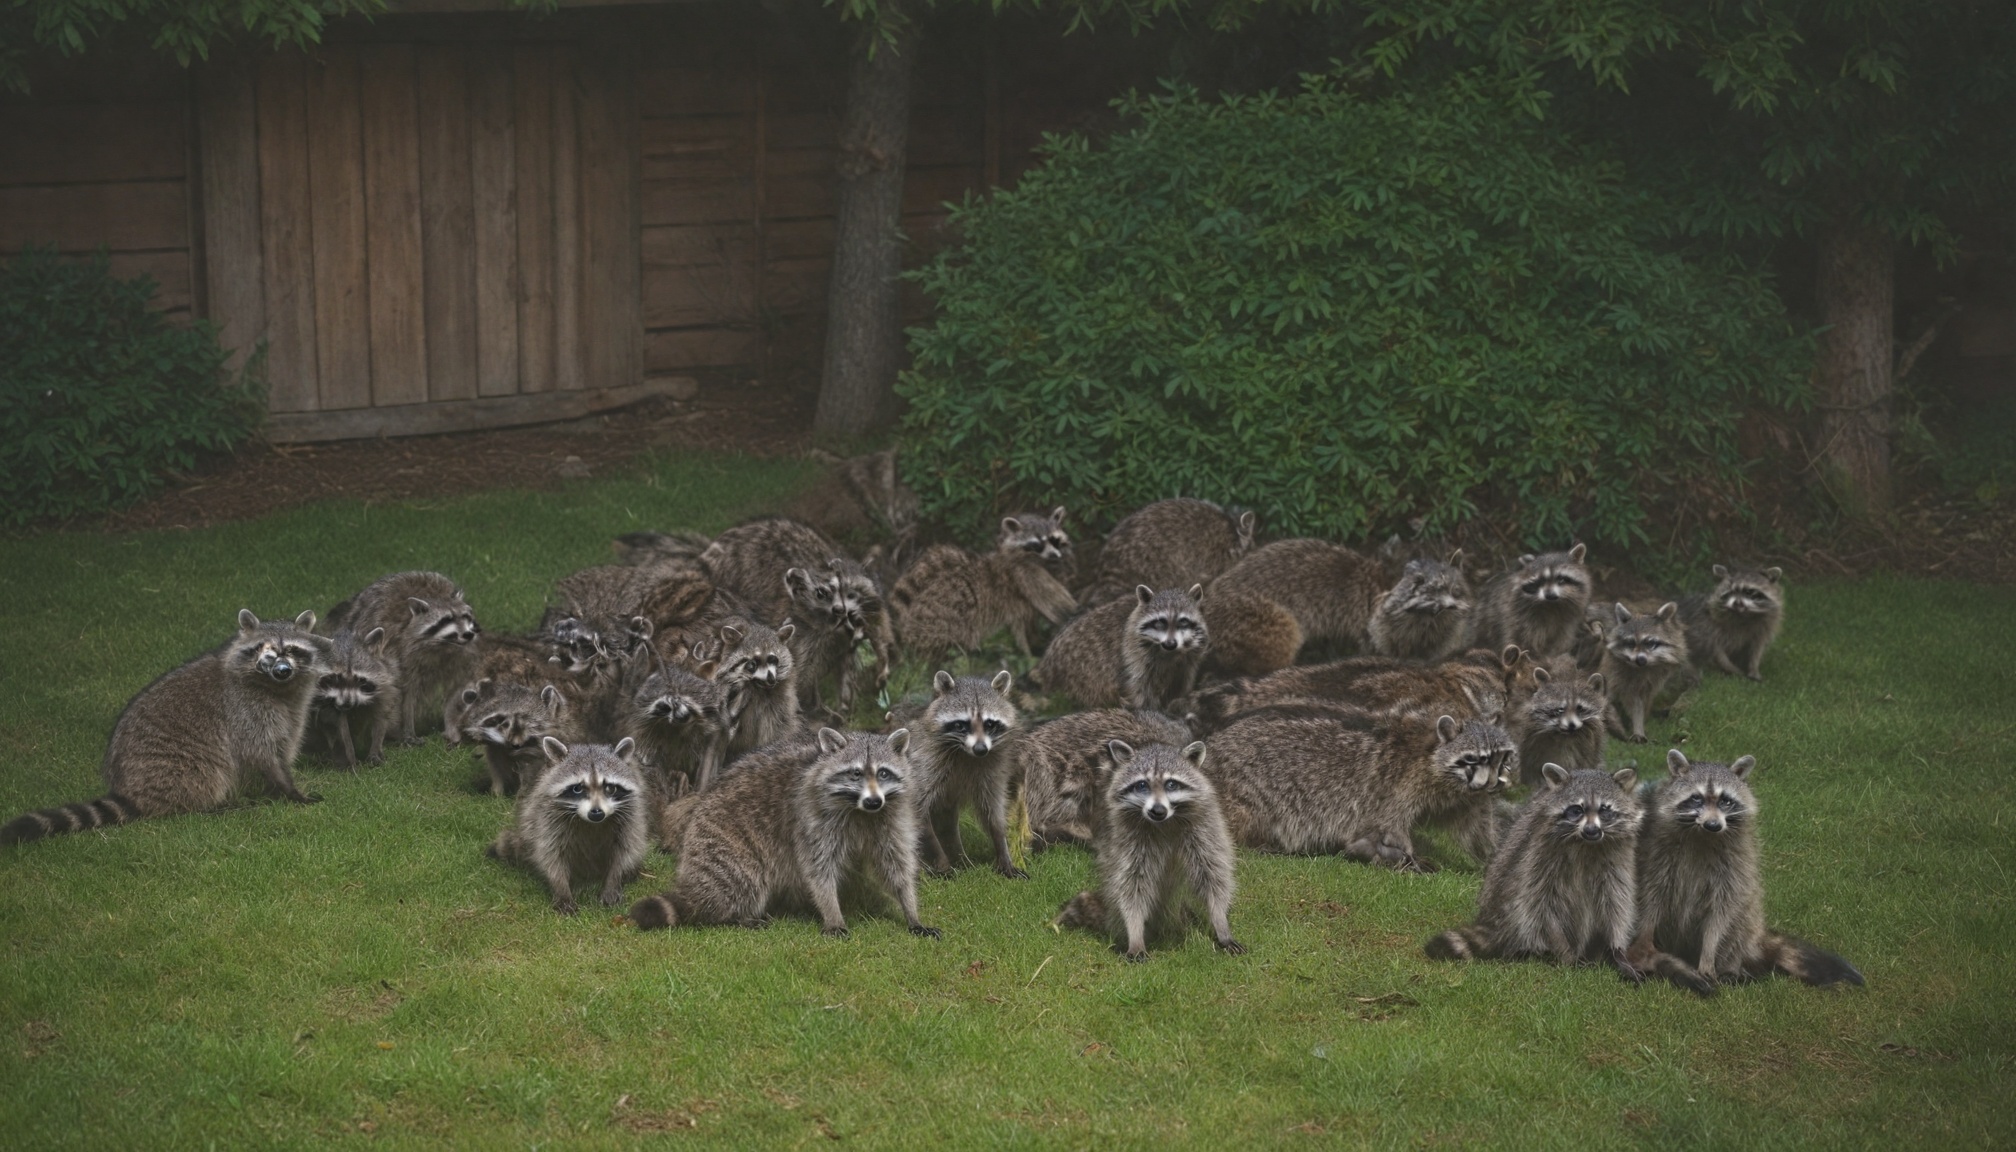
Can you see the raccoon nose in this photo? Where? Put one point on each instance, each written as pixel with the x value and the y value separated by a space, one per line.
pixel 979 747
pixel 871 803
pixel 1157 812
pixel 282 670
pixel 1570 724
pixel 1641 659
pixel 1713 824
pixel 596 815
pixel 1592 832
pixel 1169 642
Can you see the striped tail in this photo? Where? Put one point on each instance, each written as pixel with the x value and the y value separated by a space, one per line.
pixel 1797 958
pixel 1466 943
pixel 1085 910
pixel 103 812
pixel 1677 972
pixel 654 912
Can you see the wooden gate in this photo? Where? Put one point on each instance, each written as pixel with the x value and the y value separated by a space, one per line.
pixel 428 236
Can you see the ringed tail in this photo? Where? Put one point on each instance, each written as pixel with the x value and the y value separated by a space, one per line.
pixel 42 823
pixel 1467 943
pixel 1805 961
pixel 654 912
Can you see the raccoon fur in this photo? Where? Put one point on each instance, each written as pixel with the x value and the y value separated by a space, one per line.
pixel 1288 594
pixel 506 721
pixel 1044 537
pixel 357 683
pixel 682 726
pixel 1701 890
pixel 1476 685
pixel 1161 837
pixel 865 502
pixel 1561 722
pixel 964 754
pixel 1170 544
pixel 1732 627
pixel 791 827
pixel 429 630
pixel 759 674
pixel 1426 615
pixel 1140 652
pixel 1641 652
pixel 1314 779
pixel 1538 604
pixel 951 598
pixel 226 721
pixel 1062 762
pixel 587 812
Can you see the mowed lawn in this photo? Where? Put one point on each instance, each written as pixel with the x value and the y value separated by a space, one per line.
pixel 358 972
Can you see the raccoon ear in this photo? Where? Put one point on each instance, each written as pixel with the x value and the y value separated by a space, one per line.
pixel 1668 611
pixel 1578 552
pixel 730 634
pixel 469 695
pixel 305 621
pixel 374 638
pixel 625 747
pixel 549 696
pixel 1002 681
pixel 794 578
pixel 1775 574
pixel 1541 675
pixel 1010 524
pixel 1057 514
pixel 1445 727
pixel 1194 752
pixel 942 683
pixel 1509 658
pixel 246 620
pixel 706 670
pixel 899 741
pixel 786 632
pixel 1143 593
pixel 1743 766
pixel 830 741
pixel 1554 774
pixel 1411 568
pixel 1525 559
pixel 1120 751
pixel 1623 613
pixel 1248 521
pixel 1721 573
pixel 1676 762
pixel 1455 559
pixel 554 750
pixel 833 562
pixel 1625 777
pixel 418 605
pixel 1196 593
pixel 641 627
pixel 1596 683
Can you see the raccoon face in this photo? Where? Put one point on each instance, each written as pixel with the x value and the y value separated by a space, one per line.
pixel 1554 578
pixel 1170 620
pixel 355 676
pixel 678 698
pixel 1588 806
pixel 971 713
pixel 857 597
pixel 591 783
pixel 864 772
pixel 758 656
pixel 1707 797
pixel 514 717
pixel 1643 641
pixel 1156 783
pixel 1565 706
pixel 1747 593
pixel 1428 588
pixel 1476 755
pixel 276 649
pixel 1042 536
pixel 449 622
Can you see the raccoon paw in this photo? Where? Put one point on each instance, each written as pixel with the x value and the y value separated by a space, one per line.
pixel 837 932
pixel 612 897
pixel 1231 947
pixel 1754 677
pixel 565 906
pixel 1136 957
pixel 413 741
pixel 926 930
pixel 1625 968
pixel 1639 738
pixel 940 871
pixel 1012 872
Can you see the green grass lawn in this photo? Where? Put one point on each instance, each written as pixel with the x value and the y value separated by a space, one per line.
pixel 357 971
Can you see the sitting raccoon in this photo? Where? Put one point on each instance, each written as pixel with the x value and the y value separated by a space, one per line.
pixel 1170 544
pixel 1141 652
pixel 1063 760
pixel 1641 652
pixel 1561 722
pixel 682 725
pixel 1426 615
pixel 759 673
pixel 429 630
pixel 1286 595
pixel 951 598
pixel 586 812
pixel 357 685
pixel 1733 627
pixel 1538 604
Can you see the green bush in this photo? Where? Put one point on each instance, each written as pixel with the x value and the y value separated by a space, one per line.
pixel 1348 313
pixel 100 396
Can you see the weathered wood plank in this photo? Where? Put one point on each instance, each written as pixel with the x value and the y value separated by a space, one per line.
pixel 796 286
pixel 460 415
pixel 609 219
pixel 569 354
pixel 285 239
pixel 227 110
pixel 493 170
pixel 688 91
pixel 392 192
pixel 798 239
pixel 84 217
pixel 710 244
pixel 447 223
pixel 532 120
pixel 700 348
pixel 43 143
pixel 336 219
pixel 700 295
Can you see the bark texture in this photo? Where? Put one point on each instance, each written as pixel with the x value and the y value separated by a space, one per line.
pixel 1855 288
pixel 864 336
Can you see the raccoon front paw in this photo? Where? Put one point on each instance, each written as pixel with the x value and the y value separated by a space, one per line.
pixel 1639 738
pixel 612 897
pixel 1625 968
pixel 1417 865
pixel 1011 872
pixel 1231 947
pixel 837 932
pixel 926 930
pixel 413 741
pixel 1757 677
pixel 565 906
pixel 1134 957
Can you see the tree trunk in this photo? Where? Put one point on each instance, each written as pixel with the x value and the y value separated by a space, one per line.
pixel 864 335
pixel 1855 286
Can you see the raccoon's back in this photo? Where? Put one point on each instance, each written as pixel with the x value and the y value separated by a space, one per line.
pixel 383 601
pixel 750 815
pixel 1083 659
pixel 940 594
pixel 1168 544
pixel 751 559
pixel 175 727
pixel 1312 762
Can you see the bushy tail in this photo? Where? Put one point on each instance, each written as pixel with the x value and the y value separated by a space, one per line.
pixel 1466 943
pixel 654 912
pixel 1796 957
pixel 100 813
pixel 639 548
pixel 1085 910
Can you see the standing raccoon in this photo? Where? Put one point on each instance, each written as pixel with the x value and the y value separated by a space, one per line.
pixel 1288 594
pixel 1539 604
pixel 1314 779
pixel 1063 760
pixel 1735 625
pixel 1640 654
pixel 588 813
pixel 682 726
pixel 1561 723
pixel 429 628
pixel 951 598
pixel 1701 890
pixel 202 733
pixel 966 756
pixel 791 826
pixel 1035 534
pixel 762 693
pixel 1160 833
pixel 1562 884
pixel 1141 652
pixel 1426 615
pixel 357 683
pixel 1170 544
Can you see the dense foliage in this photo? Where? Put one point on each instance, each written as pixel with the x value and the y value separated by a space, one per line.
pixel 1349 313
pixel 100 395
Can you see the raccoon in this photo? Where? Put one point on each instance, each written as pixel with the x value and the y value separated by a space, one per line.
pixel 507 721
pixel 586 813
pixel 1537 605
pixel 1700 889
pixel 790 826
pixel 951 598
pixel 357 683
pixel 1735 625
pixel 1640 654
pixel 611 609
pixel 1160 832
pixel 196 736
pixel 681 724
pixel 966 755
pixel 1426 615
pixel 1314 779
pixel 429 628
pixel 1287 594
pixel 758 672
pixel 1562 883
pixel 592 680
pixel 1476 685
pixel 1170 544
pixel 1141 652
pixel 1041 536
pixel 1561 722
pixel 843 607
pixel 1063 760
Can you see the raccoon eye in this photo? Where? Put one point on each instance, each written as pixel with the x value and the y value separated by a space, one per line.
pixel 576 790
pixel 1572 812
pixel 960 726
pixel 615 791
pixel 855 774
pixel 884 775
pixel 993 726
pixel 749 665
pixel 1532 586
pixel 1691 804
pixel 1138 788
pixel 823 594
pixel 1605 810
pixel 1033 546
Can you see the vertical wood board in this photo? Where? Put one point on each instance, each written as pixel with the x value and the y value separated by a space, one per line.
pixel 392 196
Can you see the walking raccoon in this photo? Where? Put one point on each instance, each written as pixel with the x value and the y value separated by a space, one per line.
pixel 357 683
pixel 1641 653
pixel 965 755
pixel 1426 615
pixel 951 598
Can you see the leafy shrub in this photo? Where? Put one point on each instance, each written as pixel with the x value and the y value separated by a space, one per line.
pixel 1348 313
pixel 100 396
